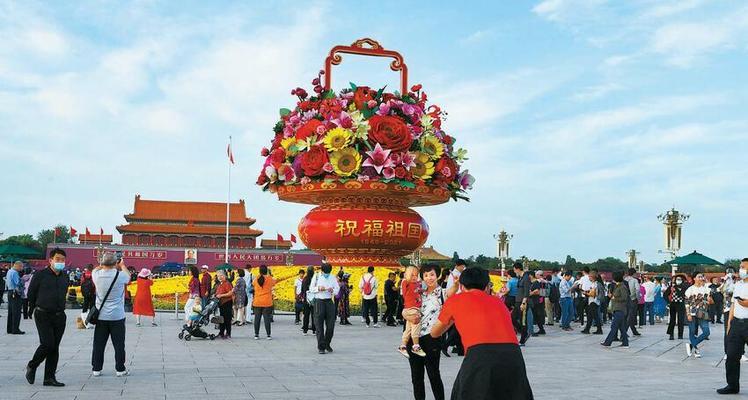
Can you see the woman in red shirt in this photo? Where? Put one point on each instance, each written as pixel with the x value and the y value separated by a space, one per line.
pixel 225 295
pixel 493 367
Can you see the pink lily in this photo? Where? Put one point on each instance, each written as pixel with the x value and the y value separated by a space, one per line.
pixel 379 158
pixel 466 180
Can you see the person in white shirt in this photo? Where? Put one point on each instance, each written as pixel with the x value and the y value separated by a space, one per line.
pixel 248 278
pixel 737 331
pixel 299 296
pixel 698 299
pixel 649 298
pixel 324 287
pixel 369 286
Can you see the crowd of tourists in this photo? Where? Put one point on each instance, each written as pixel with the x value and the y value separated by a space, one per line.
pixel 439 309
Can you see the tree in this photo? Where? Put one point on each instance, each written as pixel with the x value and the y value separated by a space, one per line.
pixel 23 240
pixel 47 236
pixel 455 257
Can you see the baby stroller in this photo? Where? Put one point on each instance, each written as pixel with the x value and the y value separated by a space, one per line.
pixel 188 332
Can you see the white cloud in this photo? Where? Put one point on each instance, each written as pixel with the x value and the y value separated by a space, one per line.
pixel 46 41
pixel 567 10
pixel 662 9
pixel 477 37
pixel 684 43
pixel 597 91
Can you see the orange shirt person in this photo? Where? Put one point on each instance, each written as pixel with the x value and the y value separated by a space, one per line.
pixel 493 367
pixel 262 303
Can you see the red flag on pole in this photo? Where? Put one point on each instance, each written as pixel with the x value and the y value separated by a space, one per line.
pixel 293 238
pixel 57 232
pixel 73 232
pixel 101 231
pixel 280 238
pixel 88 233
pixel 230 154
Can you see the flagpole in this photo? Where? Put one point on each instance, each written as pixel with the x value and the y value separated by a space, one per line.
pixel 228 201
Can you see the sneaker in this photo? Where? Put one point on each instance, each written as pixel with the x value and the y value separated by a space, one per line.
pixel 304 333
pixel 368 326
pixel 257 337
pixel 623 346
pixel 154 324
pixel 724 357
pixel 604 345
pixel 744 358
pixel 96 373
pixel 270 337
pixel 404 351
pixel 123 373
pixel 728 390
pixel 696 352
pixel 417 350
pixel 688 349
pixel 376 326
pixel 137 324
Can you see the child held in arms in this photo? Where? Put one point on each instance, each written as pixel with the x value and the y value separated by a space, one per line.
pixel 411 290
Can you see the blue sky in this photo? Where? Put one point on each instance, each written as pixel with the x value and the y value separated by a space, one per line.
pixel 583 119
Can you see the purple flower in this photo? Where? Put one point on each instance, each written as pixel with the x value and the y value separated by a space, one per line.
pixel 368 172
pixel 378 159
pixel 384 109
pixel 465 180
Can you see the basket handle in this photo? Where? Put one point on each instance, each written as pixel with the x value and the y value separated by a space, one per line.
pixel 374 49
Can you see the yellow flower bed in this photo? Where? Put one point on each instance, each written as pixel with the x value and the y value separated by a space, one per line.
pixel 284 290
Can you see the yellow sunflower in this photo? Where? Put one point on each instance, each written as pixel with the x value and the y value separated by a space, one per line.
pixel 338 139
pixel 290 145
pixel 432 146
pixel 347 161
pixel 424 166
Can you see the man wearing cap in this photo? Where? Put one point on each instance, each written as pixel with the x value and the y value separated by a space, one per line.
pixel 14 287
pixel 205 285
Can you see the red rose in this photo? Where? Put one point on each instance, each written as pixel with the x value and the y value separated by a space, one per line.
pixel 313 160
pixel 400 172
pixel 308 129
pixel 265 152
pixel 390 132
pixel 362 95
pixel 387 97
pixel 276 141
pixel 445 170
pixel 448 140
pixel 262 179
pixel 277 157
pixel 416 88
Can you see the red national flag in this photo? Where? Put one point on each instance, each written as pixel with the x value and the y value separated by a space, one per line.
pixel 293 238
pixel 88 233
pixel 230 154
pixel 73 232
pixel 101 231
pixel 57 232
pixel 280 238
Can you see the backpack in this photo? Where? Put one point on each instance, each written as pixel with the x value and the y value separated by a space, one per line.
pixel 367 286
pixel 555 294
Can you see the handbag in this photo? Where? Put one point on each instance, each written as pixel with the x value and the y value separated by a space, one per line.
pixel 93 314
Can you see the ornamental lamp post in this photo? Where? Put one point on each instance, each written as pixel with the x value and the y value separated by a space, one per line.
pixel 673 222
pixel 502 248
pixel 631 254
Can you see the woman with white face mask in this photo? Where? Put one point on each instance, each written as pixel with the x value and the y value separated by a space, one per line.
pixel 737 331
pixel 676 294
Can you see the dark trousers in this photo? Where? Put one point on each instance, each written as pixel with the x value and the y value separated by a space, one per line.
pixel 227 312
pixel 262 313
pixel 519 320
pixel 88 301
pixel 430 364
pixel 298 309
pixel 593 316
pixel 308 316
pixel 400 307
pixel 640 313
pixel 579 305
pixel 370 307
pixel 389 313
pixel 677 311
pixel 727 318
pixel 324 315
pixel 736 341
pixel 492 371
pixel 103 331
pixel 618 325
pixel 51 327
pixel 538 313
pixel 25 308
pixel 633 312
pixel 14 312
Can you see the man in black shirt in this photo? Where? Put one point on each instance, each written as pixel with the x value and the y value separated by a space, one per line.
pixel 390 299
pixel 522 310
pixel 47 292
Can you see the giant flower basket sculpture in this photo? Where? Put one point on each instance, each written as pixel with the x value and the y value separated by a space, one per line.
pixel 364 157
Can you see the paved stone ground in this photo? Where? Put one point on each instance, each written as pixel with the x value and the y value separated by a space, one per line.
pixel 364 365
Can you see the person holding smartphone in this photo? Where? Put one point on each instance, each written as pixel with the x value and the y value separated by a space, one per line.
pixel 737 331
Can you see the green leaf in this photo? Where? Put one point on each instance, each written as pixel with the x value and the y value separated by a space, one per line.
pixel 330 94
pixel 379 93
pixel 353 86
pixel 407 184
pixel 284 112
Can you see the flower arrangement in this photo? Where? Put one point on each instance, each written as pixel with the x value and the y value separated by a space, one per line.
pixel 366 135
